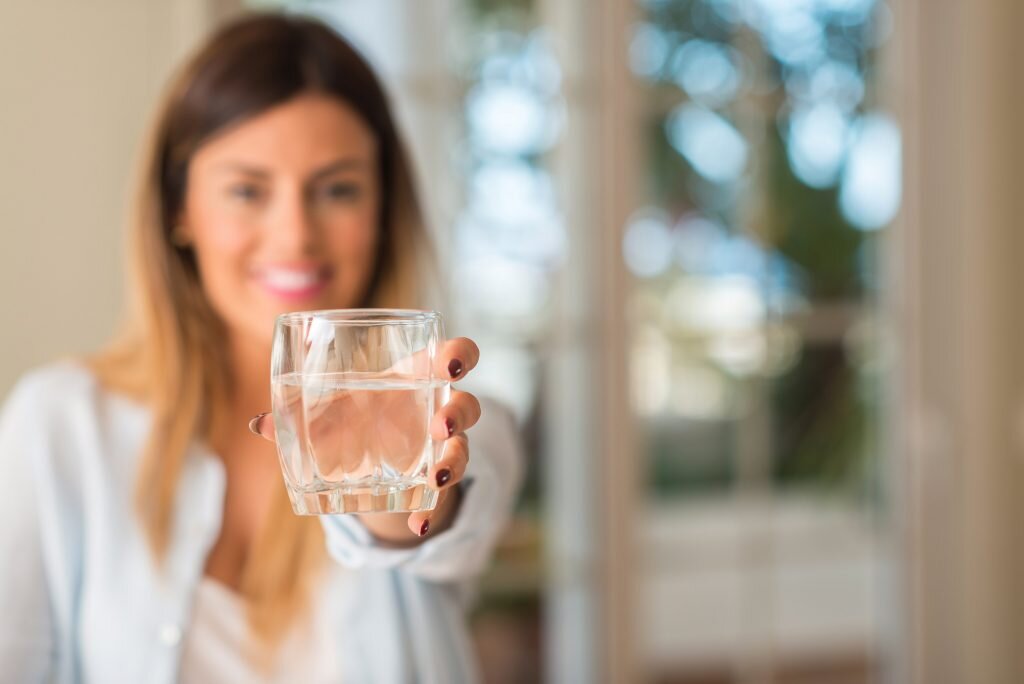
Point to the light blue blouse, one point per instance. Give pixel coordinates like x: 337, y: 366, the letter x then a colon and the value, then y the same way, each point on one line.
x: 80, y: 597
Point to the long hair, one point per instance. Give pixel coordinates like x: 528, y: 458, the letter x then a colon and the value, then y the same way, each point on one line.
x: 171, y: 354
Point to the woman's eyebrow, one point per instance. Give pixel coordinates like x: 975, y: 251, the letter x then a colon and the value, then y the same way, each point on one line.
x: 343, y: 164
x: 246, y: 169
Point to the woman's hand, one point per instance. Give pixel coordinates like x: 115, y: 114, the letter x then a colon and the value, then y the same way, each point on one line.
x: 454, y: 360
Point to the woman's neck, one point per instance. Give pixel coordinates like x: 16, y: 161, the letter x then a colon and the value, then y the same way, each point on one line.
x: 250, y: 372
x: 249, y: 393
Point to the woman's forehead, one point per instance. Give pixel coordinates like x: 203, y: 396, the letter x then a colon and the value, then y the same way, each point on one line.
x: 306, y: 134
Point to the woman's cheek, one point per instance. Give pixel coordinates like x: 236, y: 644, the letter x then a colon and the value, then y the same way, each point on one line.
x: 225, y: 248
x: 352, y: 247
x: 231, y: 233
x: 352, y: 234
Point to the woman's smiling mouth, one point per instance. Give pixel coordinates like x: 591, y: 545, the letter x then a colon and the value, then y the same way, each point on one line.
x: 294, y: 282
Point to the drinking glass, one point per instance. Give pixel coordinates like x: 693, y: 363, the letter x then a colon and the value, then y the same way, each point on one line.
x: 354, y: 391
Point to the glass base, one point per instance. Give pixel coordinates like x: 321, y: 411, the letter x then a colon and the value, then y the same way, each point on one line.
x: 407, y: 497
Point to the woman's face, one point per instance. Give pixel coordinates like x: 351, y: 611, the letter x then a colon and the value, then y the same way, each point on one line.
x: 282, y: 213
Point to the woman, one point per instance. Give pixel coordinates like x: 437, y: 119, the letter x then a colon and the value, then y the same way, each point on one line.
x: 147, y: 534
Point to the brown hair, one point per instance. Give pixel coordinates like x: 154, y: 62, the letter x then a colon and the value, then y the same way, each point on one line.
x: 171, y: 355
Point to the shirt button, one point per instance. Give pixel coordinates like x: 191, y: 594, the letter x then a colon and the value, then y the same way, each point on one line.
x: 170, y: 634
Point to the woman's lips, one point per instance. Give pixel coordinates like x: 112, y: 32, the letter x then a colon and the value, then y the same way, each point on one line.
x: 292, y: 283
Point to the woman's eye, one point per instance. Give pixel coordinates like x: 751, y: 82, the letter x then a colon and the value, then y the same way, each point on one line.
x: 245, y: 192
x: 340, y: 191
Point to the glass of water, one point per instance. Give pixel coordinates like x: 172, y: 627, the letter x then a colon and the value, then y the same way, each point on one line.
x: 354, y: 391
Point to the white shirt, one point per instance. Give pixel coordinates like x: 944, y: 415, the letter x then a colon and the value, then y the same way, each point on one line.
x: 217, y: 644
x: 81, y: 600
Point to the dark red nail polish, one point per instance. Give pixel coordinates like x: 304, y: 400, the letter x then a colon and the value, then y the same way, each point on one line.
x: 424, y: 528
x: 455, y: 368
x: 449, y: 425
x: 443, y: 476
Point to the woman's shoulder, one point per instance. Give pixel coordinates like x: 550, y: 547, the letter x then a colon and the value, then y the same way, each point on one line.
x: 65, y: 407
x: 53, y: 388
x: 61, y: 428
x: 68, y: 373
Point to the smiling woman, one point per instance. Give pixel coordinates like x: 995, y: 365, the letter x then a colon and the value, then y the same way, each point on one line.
x: 282, y: 210
x: 155, y: 539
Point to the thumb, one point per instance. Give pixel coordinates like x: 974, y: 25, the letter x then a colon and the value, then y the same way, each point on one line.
x: 263, y: 425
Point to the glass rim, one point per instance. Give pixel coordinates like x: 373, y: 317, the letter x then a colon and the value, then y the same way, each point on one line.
x: 360, y: 316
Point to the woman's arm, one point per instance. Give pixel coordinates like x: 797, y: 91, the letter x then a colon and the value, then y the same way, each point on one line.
x: 449, y: 426
x: 456, y: 358
x: 476, y: 493
x: 462, y: 550
x: 392, y: 529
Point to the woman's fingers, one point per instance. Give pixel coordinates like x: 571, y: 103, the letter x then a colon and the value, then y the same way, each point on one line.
x: 458, y: 415
x: 263, y: 425
x: 456, y: 357
x: 419, y: 522
x: 452, y: 465
x: 445, y: 474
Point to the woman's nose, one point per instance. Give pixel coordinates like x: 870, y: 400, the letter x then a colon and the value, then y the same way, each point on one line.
x: 294, y: 226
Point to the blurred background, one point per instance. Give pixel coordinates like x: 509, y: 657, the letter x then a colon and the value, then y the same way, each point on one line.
x: 745, y: 270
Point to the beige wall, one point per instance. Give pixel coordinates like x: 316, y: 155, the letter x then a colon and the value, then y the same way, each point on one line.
x: 78, y: 82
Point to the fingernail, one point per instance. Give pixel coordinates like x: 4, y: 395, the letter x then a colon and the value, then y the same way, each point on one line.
x: 443, y: 476
x: 254, y: 424
x: 424, y: 528
x: 455, y: 368
x: 449, y: 425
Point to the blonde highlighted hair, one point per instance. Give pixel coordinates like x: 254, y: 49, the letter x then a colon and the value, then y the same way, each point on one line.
x: 171, y: 354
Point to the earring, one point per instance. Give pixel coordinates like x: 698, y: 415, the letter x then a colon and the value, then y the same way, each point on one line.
x: 178, y: 237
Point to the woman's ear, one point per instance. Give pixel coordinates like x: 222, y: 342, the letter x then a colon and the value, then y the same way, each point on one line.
x: 180, y: 236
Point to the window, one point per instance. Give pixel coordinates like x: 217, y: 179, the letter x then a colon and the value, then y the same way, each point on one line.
x: 771, y: 170
x: 767, y: 174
